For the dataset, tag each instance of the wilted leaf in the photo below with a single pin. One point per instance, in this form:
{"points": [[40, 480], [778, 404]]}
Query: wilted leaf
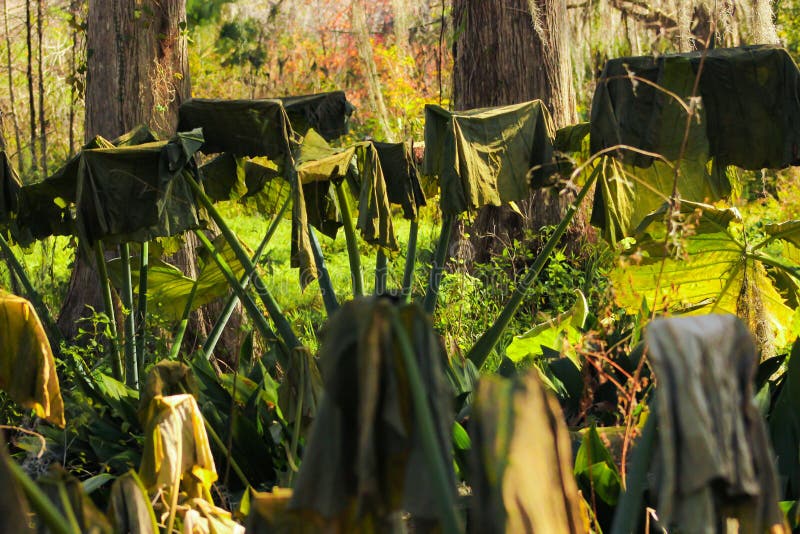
{"points": [[521, 461], [364, 459], [713, 461], [482, 156], [202, 517], [164, 379], [177, 455], [129, 507], [267, 513], [301, 388], [27, 366]]}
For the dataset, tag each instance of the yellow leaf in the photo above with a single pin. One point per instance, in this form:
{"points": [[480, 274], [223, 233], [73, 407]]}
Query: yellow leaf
{"points": [[27, 366]]}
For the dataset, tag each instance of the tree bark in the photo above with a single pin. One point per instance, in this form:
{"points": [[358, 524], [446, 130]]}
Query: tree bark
{"points": [[506, 52], [14, 120], [31, 101], [137, 74]]}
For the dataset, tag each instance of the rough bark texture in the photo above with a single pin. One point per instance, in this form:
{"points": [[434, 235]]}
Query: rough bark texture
{"points": [[137, 74], [505, 52]]}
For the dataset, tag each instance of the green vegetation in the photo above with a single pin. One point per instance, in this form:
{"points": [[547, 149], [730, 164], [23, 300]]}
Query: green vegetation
{"points": [[355, 369]]}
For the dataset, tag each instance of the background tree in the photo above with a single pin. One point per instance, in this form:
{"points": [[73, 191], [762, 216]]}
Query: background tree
{"points": [[138, 74], [506, 52]]}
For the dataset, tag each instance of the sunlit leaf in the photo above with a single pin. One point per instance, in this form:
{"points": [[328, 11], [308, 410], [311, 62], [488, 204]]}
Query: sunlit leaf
{"points": [[177, 455], [27, 366], [560, 333], [517, 430]]}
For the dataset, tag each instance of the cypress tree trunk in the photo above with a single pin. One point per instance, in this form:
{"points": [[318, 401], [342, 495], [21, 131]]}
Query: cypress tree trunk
{"points": [[506, 52], [137, 74]]}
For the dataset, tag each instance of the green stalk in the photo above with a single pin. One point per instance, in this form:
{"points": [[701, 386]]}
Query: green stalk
{"points": [[629, 507], [177, 339], [250, 305], [352, 240], [131, 363], [233, 299], [44, 508], [439, 259], [451, 523], [274, 310], [489, 339], [141, 309], [38, 304], [381, 271], [324, 280], [411, 260], [117, 369]]}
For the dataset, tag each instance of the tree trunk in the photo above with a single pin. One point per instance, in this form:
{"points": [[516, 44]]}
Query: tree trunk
{"points": [[14, 120], [137, 74], [31, 102], [506, 52]]}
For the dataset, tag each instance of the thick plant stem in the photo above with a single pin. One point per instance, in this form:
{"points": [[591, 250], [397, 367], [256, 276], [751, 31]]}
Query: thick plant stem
{"points": [[252, 310], [352, 240], [177, 340], [439, 259], [141, 306], [381, 272], [489, 339], [233, 299], [117, 369], [629, 508], [281, 323], [131, 363], [324, 280], [411, 260], [445, 492]]}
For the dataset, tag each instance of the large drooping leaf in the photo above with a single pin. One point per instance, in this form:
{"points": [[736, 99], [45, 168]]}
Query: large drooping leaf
{"points": [[364, 458], [482, 156], [177, 455], [749, 112], [120, 193], [267, 513], [327, 113], [561, 333], [241, 127], [129, 507], [27, 366], [521, 460], [400, 174], [168, 289], [707, 268], [319, 168], [713, 462]]}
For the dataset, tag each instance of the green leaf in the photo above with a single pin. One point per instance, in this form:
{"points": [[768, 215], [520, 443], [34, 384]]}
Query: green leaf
{"points": [[708, 269], [561, 333], [596, 470]]}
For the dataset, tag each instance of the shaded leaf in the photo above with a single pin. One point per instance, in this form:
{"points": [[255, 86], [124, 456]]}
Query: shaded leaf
{"points": [[129, 507], [713, 462]]}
